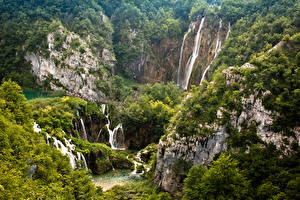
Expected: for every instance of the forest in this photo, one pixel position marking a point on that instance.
(106, 100)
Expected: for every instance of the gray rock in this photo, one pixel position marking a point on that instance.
(73, 72)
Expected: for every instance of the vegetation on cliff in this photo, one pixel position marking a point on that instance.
(264, 35)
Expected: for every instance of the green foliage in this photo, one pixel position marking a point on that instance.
(192, 183)
(25, 25)
(144, 190)
(223, 180)
(13, 105)
(57, 114)
(150, 113)
(257, 26)
(21, 149)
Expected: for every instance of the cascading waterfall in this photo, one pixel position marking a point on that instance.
(137, 163)
(83, 128)
(181, 55)
(193, 57)
(217, 50)
(116, 145)
(65, 150)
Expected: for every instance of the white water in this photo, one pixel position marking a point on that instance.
(116, 145)
(36, 128)
(83, 128)
(194, 56)
(65, 150)
(229, 30)
(137, 163)
(217, 50)
(181, 55)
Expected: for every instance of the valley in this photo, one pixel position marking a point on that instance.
(144, 100)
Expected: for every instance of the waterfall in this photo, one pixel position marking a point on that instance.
(137, 163)
(229, 30)
(84, 131)
(193, 57)
(181, 55)
(36, 128)
(113, 133)
(65, 150)
(98, 135)
(217, 50)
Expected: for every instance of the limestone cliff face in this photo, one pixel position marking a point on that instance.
(212, 36)
(160, 62)
(70, 66)
(201, 149)
(196, 149)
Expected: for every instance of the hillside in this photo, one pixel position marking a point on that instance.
(154, 99)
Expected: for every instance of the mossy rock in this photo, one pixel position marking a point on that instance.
(140, 169)
(121, 162)
(102, 166)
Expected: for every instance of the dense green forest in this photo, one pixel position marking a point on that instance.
(264, 34)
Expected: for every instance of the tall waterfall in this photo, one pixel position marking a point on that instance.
(194, 56)
(181, 55)
(67, 150)
(217, 50)
(117, 145)
(228, 32)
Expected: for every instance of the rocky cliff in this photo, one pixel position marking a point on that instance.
(211, 37)
(71, 66)
(160, 63)
(201, 149)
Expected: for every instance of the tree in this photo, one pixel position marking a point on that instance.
(223, 180)
(14, 104)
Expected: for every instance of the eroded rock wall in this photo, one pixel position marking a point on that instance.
(70, 66)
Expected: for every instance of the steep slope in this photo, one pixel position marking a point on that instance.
(71, 66)
(238, 109)
(29, 29)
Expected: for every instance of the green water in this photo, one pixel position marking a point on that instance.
(113, 178)
(34, 94)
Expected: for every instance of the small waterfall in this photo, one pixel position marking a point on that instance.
(217, 50)
(181, 55)
(98, 135)
(113, 133)
(194, 56)
(229, 30)
(65, 150)
(36, 128)
(137, 163)
(83, 128)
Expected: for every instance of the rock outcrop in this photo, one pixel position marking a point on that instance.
(196, 150)
(202, 149)
(70, 66)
